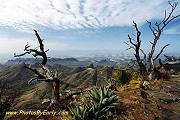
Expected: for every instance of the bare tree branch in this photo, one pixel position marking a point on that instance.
(170, 17)
(35, 52)
(152, 30)
(32, 79)
(130, 40)
(145, 61)
(130, 46)
(131, 63)
(157, 56)
(39, 40)
(159, 27)
(39, 75)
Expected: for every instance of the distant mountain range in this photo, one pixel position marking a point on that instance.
(70, 62)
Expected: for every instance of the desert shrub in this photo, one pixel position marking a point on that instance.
(163, 74)
(124, 76)
(102, 100)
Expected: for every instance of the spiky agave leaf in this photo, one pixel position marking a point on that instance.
(76, 113)
(80, 114)
(102, 100)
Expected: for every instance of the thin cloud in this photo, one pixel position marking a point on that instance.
(77, 14)
(11, 45)
(173, 30)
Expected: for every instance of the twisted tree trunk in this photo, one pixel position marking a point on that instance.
(44, 74)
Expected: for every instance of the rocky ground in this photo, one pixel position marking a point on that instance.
(155, 100)
(139, 100)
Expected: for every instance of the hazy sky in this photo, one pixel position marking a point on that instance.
(81, 25)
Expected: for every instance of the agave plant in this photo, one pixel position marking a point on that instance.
(102, 100)
(80, 114)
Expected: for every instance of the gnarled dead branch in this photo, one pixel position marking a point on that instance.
(35, 52)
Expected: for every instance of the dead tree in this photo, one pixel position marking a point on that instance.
(146, 64)
(42, 74)
(135, 44)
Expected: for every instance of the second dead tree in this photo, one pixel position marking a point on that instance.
(146, 63)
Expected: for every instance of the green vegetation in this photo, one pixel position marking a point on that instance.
(102, 99)
(80, 114)
(121, 77)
